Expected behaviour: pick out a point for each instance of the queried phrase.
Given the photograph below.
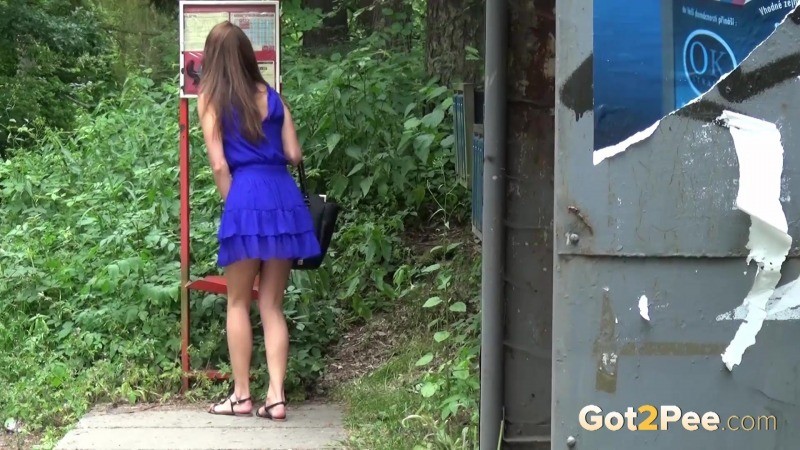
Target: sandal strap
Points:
(233, 402)
(268, 407)
(239, 402)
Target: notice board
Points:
(260, 21)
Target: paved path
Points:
(310, 426)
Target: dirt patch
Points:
(365, 348)
(360, 351)
(422, 240)
(17, 441)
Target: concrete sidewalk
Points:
(309, 426)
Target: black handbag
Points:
(324, 213)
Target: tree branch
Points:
(120, 30)
(77, 102)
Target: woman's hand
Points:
(213, 138)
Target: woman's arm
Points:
(291, 146)
(216, 157)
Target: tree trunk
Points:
(364, 20)
(452, 26)
(334, 27)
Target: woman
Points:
(250, 138)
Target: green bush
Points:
(54, 60)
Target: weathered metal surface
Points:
(606, 354)
(659, 220)
(529, 223)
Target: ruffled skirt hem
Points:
(273, 222)
(283, 246)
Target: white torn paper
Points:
(643, 310)
(760, 153)
(784, 304)
(610, 151)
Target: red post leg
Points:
(184, 196)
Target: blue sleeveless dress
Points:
(265, 216)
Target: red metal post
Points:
(184, 195)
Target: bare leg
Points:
(240, 277)
(274, 276)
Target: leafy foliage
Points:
(53, 58)
(88, 272)
(377, 135)
(426, 396)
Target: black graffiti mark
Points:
(578, 91)
(194, 74)
(740, 86)
(704, 111)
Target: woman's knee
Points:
(239, 277)
(268, 301)
(239, 301)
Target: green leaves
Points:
(441, 336)
(425, 360)
(372, 129)
(434, 119)
(433, 301)
(428, 390)
(459, 307)
(333, 140)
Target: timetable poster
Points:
(196, 27)
(259, 28)
(258, 20)
(267, 70)
(712, 37)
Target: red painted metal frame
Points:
(183, 148)
(216, 285)
(213, 284)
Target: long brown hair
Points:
(230, 79)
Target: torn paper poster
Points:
(643, 310)
(784, 304)
(608, 152)
(760, 154)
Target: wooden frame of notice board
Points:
(260, 20)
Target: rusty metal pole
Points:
(493, 254)
(184, 199)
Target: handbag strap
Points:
(302, 176)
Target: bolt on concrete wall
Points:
(664, 243)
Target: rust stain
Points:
(672, 349)
(605, 350)
(577, 212)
